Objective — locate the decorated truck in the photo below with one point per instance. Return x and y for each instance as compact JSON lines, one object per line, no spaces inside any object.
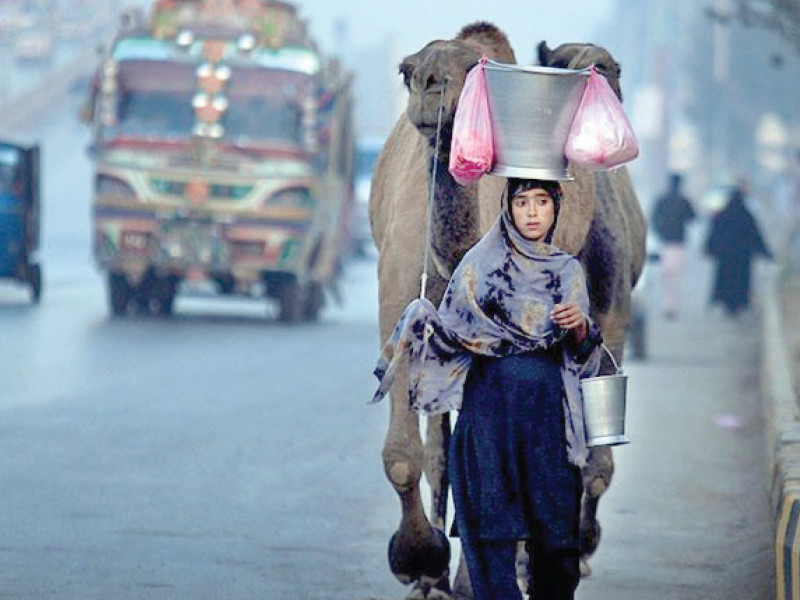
{"x":223,"y":154}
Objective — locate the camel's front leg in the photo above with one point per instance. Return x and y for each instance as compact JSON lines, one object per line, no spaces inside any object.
{"x":418,"y":552}
{"x":596,"y":478}
{"x":597,"y":473}
{"x":437,"y":440}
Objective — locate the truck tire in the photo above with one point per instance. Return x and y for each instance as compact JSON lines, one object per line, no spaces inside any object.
{"x":166,"y":303}
{"x":162,"y":296}
{"x":291,"y":302}
{"x":35,"y":281}
{"x":119,"y":294}
{"x":314,"y":301}
{"x":226,"y":284}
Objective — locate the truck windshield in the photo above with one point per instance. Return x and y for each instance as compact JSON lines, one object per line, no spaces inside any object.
{"x":247,"y":120}
{"x":9,"y":171}
{"x":155,"y":114}
{"x":253,"y":119}
{"x":263,"y":104}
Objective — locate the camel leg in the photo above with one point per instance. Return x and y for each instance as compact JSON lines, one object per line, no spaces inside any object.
{"x":462,"y":588}
{"x":437,"y":440}
{"x":599,"y":469}
{"x":418,"y":552}
{"x":597,"y":476}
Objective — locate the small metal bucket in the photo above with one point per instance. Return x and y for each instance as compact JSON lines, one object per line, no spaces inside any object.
{"x":604,"y":407}
{"x":532,"y":109}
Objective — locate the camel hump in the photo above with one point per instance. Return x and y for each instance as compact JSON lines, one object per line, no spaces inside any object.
{"x":488,"y":39}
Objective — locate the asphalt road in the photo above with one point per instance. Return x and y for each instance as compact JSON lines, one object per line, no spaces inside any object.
{"x":222,"y":455}
{"x":218,"y":454}
{"x":687,"y":515}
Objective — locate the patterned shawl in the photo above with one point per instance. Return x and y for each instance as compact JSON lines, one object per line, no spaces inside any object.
{"x":497,"y":303}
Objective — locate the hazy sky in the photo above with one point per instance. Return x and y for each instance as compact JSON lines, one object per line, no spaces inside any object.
{"x":410,"y":24}
{"x":413,"y":23}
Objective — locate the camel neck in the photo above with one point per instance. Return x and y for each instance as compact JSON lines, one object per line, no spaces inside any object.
{"x":455,"y":217}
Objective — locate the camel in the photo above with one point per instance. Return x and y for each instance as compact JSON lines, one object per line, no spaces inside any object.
{"x":601,"y":222}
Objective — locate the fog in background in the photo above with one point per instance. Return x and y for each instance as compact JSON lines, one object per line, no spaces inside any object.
{"x":372,"y":38}
{"x":411,"y":24}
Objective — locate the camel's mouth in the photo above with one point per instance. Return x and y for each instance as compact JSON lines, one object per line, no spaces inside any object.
{"x":427,"y":130}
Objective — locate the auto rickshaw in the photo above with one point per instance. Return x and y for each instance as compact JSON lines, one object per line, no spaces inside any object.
{"x":20,"y":216}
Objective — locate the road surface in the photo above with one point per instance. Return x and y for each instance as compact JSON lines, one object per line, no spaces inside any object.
{"x":223,"y":455}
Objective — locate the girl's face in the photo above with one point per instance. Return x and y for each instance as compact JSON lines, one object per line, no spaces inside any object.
{"x":533,"y":212}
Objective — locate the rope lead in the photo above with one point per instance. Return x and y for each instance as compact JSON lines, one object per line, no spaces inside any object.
{"x":428,"y":232}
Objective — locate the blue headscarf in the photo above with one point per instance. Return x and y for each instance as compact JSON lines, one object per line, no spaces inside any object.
{"x":498,"y":303}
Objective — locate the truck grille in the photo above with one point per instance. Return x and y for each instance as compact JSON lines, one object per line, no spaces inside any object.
{"x":217,"y":191}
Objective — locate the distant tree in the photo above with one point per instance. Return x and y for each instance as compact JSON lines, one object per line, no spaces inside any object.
{"x":780,"y":16}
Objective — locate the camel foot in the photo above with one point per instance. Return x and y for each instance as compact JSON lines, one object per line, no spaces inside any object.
{"x":428,"y":588}
{"x":419,"y":560}
{"x":586,"y":570}
{"x":590,"y":532}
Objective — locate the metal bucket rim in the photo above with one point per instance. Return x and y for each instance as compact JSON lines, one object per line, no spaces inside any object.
{"x":605,"y":377}
{"x":537,"y":69}
{"x":608,"y":440}
{"x":539,"y":173}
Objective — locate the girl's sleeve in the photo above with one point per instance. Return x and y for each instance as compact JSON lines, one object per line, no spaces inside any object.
{"x":579,"y":294}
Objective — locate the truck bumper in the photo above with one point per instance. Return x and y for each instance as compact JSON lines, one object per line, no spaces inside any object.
{"x":188,"y":245}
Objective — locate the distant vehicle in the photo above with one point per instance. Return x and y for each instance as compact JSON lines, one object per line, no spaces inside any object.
{"x":19,"y":216}
{"x":223,"y":158}
{"x":33,"y":45}
{"x":367,"y":150}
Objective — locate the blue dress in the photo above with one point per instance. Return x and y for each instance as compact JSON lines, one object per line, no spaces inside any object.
{"x":510,"y":474}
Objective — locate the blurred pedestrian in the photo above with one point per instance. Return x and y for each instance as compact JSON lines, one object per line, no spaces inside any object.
{"x":734,"y":240}
{"x":671,"y":214}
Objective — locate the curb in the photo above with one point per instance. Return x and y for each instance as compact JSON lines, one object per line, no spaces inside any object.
{"x":783,"y":445}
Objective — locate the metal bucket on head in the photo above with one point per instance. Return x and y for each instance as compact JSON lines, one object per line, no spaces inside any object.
{"x":604,"y":400}
{"x":532,"y":109}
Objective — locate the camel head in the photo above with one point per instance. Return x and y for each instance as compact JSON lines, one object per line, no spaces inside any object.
{"x":579,"y":56}
{"x":444,"y":64}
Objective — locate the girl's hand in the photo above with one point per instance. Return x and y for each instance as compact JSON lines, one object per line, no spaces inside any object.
{"x":569,"y":316}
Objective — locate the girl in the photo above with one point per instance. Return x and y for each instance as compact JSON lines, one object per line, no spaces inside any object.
{"x":505,"y":349}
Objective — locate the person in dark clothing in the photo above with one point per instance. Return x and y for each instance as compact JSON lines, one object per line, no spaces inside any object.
{"x":507,"y":347}
{"x":671,"y":213}
{"x":734,"y":240}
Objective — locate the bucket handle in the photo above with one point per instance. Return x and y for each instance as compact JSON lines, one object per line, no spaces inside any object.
{"x":611,"y":356}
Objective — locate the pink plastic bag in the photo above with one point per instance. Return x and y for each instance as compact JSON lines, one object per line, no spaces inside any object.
{"x":601,"y":137}
{"x":472,"y":147}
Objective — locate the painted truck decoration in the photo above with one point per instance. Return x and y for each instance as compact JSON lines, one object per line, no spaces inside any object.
{"x":223,"y":151}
